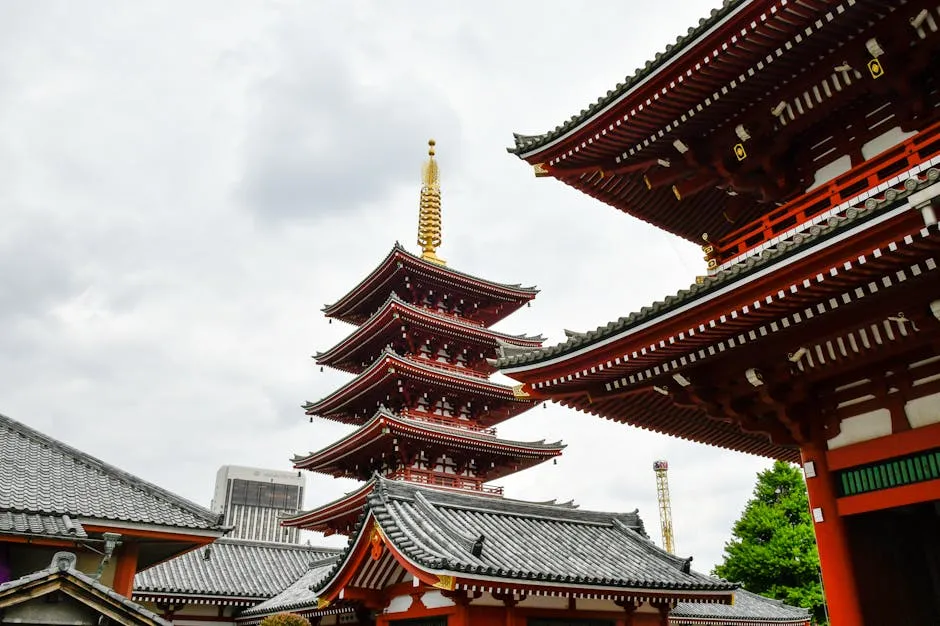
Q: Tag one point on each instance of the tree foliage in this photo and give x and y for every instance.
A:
(773, 549)
(285, 619)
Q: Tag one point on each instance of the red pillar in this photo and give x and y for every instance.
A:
(834, 557)
(125, 569)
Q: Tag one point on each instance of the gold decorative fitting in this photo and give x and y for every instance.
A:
(540, 170)
(519, 391)
(712, 263)
(700, 280)
(445, 582)
(739, 152)
(322, 603)
(429, 209)
(676, 192)
(710, 248)
(876, 69)
(376, 542)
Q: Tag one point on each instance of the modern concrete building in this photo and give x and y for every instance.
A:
(253, 500)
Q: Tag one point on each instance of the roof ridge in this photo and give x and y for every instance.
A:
(97, 464)
(464, 540)
(490, 505)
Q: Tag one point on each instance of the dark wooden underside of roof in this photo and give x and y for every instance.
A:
(618, 169)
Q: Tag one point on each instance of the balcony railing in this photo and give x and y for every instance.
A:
(452, 422)
(449, 481)
(803, 210)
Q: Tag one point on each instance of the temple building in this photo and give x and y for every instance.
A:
(57, 499)
(421, 399)
(430, 537)
(799, 144)
(216, 583)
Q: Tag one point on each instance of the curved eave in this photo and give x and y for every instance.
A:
(350, 504)
(374, 431)
(384, 318)
(399, 257)
(392, 366)
(634, 88)
(820, 250)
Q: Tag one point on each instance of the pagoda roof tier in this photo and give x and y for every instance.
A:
(386, 326)
(338, 516)
(401, 272)
(738, 115)
(381, 385)
(386, 432)
(460, 541)
(858, 269)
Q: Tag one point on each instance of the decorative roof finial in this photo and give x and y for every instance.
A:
(429, 209)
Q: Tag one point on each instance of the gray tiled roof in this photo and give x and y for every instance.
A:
(298, 594)
(527, 143)
(40, 475)
(63, 567)
(236, 568)
(799, 242)
(527, 542)
(746, 605)
(39, 524)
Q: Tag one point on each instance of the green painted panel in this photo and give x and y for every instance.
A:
(907, 470)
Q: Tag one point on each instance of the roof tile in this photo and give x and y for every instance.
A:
(42, 476)
(235, 568)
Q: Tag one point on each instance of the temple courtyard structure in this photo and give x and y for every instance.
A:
(798, 143)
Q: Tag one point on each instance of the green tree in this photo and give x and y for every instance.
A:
(285, 619)
(773, 549)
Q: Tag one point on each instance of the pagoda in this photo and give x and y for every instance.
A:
(421, 353)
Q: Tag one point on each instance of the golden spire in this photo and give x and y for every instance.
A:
(429, 209)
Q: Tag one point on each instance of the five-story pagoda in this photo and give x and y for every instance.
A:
(422, 353)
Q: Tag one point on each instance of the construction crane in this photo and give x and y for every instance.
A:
(665, 505)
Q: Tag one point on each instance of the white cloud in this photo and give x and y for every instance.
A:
(186, 185)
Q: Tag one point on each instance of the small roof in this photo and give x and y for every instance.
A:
(525, 543)
(348, 403)
(387, 425)
(37, 524)
(748, 608)
(230, 569)
(61, 576)
(375, 286)
(296, 596)
(41, 476)
(396, 311)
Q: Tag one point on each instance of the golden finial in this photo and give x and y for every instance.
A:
(429, 209)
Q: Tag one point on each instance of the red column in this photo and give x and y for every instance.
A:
(834, 557)
(125, 569)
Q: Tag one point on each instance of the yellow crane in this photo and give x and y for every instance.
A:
(665, 505)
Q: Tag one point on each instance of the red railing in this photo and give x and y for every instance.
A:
(873, 172)
(447, 421)
(466, 371)
(423, 477)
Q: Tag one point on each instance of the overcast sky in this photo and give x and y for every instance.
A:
(183, 185)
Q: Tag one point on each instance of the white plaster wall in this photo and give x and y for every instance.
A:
(923, 411)
(862, 427)
(399, 604)
(435, 600)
